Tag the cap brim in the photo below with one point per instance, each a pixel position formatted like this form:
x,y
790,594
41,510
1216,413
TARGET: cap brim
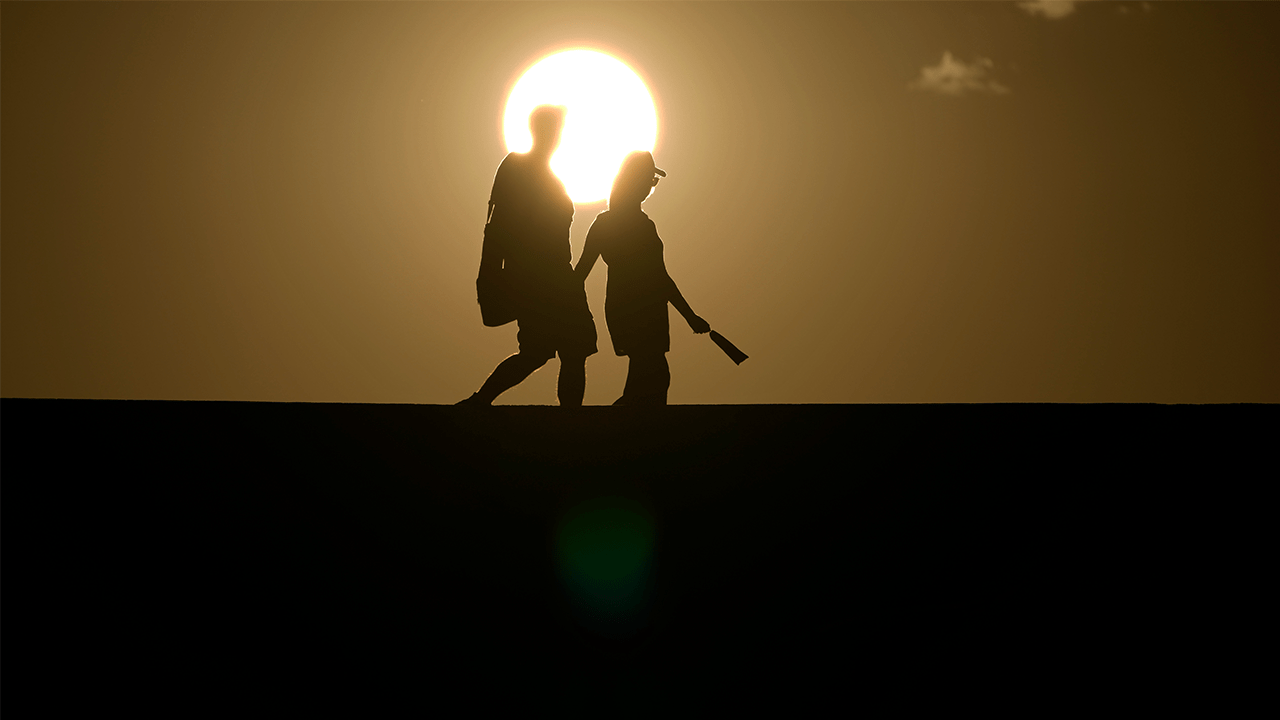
x,y
661,172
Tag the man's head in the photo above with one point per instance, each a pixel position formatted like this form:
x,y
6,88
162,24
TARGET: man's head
x,y
545,124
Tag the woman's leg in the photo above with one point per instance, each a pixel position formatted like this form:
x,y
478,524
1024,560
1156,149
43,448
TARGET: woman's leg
x,y
661,379
648,379
629,387
572,384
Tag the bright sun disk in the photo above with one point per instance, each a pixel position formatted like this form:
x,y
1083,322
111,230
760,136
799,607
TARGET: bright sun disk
x,y
610,113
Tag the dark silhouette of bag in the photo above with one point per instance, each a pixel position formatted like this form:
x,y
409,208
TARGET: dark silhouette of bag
x,y
493,288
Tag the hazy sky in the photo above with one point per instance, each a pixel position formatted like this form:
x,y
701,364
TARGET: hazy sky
x,y
878,202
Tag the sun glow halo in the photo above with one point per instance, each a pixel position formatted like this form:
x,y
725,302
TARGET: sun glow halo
x,y
610,113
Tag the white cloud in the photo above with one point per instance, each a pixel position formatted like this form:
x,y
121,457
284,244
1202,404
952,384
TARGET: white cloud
x,y
1058,9
952,77
1052,9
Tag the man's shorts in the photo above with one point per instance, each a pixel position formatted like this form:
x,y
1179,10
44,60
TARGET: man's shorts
x,y
557,323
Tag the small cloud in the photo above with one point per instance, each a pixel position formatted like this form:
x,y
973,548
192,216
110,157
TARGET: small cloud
x,y
952,77
1058,9
1051,9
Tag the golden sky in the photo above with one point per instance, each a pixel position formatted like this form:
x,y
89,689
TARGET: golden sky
x,y
878,202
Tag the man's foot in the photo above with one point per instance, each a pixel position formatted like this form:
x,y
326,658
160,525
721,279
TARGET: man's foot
x,y
473,401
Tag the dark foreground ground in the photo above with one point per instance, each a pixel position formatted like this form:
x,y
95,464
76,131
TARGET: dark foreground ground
x,y
621,559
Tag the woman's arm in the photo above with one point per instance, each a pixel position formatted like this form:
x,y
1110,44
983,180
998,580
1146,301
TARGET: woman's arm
x,y
590,253
586,262
697,324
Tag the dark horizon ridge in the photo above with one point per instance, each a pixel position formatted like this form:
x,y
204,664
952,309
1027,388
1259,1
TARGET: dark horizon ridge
x,y
216,534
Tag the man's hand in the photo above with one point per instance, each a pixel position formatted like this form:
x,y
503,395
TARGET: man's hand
x,y
698,325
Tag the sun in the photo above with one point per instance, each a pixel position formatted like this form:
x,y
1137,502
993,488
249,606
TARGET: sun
x,y
610,113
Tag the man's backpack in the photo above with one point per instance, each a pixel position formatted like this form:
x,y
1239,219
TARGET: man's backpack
x,y
493,289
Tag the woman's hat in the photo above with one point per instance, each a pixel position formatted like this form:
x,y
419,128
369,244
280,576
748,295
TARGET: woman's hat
x,y
640,161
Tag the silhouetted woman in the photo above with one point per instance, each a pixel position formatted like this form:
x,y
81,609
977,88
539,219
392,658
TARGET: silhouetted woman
x,y
639,288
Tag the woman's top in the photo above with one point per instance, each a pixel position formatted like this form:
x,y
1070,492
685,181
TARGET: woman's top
x,y
638,288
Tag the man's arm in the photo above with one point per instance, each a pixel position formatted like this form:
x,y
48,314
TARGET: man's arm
x,y
493,251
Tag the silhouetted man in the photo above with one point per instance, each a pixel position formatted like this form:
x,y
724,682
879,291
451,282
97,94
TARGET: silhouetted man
x,y
525,271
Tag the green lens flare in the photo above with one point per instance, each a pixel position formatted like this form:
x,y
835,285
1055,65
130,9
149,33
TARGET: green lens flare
x,y
605,551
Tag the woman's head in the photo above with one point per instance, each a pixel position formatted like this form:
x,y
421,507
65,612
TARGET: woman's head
x,y
636,179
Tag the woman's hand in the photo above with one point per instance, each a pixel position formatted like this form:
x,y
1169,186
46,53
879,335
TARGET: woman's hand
x,y
698,325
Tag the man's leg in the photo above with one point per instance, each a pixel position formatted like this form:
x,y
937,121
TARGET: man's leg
x,y
573,380
508,374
